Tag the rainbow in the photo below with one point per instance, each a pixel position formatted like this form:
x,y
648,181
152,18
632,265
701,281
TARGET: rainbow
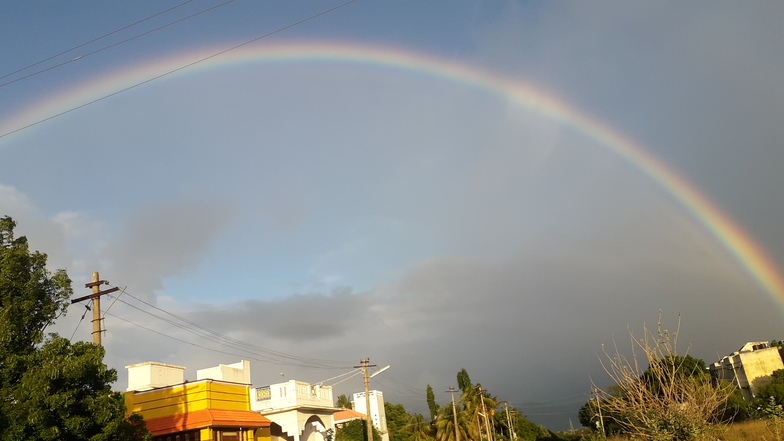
x,y
752,258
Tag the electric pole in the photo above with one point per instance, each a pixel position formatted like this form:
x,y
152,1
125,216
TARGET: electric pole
x,y
365,364
599,407
96,304
454,412
509,422
481,393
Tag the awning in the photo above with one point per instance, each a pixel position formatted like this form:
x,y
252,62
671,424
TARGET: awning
x,y
199,419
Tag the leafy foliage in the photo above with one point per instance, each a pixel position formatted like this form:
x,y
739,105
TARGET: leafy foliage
x,y
50,389
344,402
463,380
431,403
418,429
355,430
773,391
397,419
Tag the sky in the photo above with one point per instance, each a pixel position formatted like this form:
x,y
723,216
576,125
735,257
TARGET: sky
x,y
502,186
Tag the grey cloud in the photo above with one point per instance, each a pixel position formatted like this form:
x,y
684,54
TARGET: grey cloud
x,y
165,240
528,326
297,318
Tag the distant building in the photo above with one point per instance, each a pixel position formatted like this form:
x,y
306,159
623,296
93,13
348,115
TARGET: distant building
x,y
215,407
749,368
345,415
299,411
377,414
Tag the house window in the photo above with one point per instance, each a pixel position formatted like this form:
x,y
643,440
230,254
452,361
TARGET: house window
x,y
263,393
227,435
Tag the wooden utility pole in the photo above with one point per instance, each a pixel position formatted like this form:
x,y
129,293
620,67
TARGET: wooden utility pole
x,y
454,412
481,393
365,364
96,306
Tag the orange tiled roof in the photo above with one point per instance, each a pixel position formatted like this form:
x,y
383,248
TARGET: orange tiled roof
x,y
206,418
347,415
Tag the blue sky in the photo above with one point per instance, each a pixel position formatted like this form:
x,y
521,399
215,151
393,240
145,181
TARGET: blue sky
x,y
338,210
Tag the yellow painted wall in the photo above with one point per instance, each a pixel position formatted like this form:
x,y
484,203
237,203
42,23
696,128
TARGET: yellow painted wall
x,y
187,397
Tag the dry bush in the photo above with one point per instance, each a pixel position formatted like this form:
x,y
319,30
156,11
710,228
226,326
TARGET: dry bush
x,y
667,402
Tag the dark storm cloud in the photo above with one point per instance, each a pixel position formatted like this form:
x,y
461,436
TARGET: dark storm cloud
x,y
299,318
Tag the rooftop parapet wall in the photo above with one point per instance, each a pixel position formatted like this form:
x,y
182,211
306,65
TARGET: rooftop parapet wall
x,y
151,375
291,394
235,373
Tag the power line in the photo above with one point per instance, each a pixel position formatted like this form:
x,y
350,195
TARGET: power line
x,y
95,39
217,337
201,60
180,340
270,356
86,308
244,354
111,45
562,401
402,388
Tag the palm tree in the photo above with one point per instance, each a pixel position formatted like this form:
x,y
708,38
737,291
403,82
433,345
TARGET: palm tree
x,y
344,401
418,429
480,407
445,425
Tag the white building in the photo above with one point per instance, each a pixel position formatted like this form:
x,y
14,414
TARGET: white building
x,y
749,368
377,414
299,411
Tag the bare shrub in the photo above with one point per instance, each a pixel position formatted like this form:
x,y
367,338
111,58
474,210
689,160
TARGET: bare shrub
x,y
671,400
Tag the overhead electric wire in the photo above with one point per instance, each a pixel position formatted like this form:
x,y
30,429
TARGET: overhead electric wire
x,y
215,340
354,374
201,60
562,401
402,388
341,375
86,308
224,339
191,343
271,356
113,45
95,39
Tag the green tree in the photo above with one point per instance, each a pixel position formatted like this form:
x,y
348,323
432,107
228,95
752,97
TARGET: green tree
x,y
50,389
344,402
397,419
588,416
773,392
736,409
675,367
464,381
431,403
355,430
480,407
510,419
418,429
445,425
